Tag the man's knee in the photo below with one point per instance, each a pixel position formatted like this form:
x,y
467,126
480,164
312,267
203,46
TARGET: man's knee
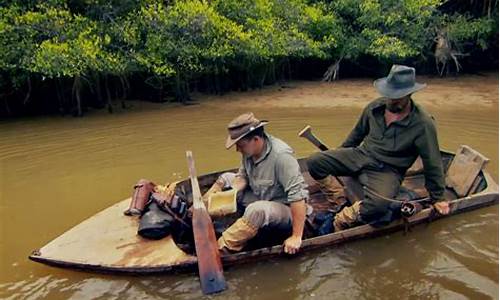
x,y
337,162
317,165
257,213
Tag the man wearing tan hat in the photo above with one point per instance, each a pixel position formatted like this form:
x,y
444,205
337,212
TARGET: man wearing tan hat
x,y
387,139
272,187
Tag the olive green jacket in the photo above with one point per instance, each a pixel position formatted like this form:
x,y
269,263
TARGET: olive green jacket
x,y
401,142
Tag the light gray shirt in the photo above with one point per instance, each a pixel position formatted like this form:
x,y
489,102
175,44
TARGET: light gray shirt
x,y
276,175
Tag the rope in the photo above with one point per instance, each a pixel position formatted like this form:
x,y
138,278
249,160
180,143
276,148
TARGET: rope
x,y
377,195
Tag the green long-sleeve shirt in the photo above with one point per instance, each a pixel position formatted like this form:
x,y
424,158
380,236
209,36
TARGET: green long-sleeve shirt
x,y
400,143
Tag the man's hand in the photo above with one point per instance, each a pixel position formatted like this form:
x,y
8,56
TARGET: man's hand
x,y
292,244
442,207
239,183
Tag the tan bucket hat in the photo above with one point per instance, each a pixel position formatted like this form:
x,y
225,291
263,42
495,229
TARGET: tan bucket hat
x,y
241,126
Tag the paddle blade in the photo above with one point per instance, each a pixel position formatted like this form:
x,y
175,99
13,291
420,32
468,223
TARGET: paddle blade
x,y
209,262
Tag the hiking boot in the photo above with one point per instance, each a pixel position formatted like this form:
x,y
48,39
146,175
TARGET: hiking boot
x,y
333,193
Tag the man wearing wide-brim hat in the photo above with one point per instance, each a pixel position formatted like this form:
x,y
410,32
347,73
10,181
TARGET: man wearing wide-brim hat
x,y
387,139
272,187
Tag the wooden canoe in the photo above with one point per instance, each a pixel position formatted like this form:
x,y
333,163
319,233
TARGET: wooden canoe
x,y
108,242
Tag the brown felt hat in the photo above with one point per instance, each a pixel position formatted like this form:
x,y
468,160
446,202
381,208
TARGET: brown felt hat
x,y
241,126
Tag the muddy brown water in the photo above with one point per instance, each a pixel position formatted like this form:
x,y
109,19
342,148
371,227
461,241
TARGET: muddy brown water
x,y
56,172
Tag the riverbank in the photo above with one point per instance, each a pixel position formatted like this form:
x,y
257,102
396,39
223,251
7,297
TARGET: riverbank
x,y
451,92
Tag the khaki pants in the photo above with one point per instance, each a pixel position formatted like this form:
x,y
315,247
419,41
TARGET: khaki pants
x,y
265,223
379,177
269,214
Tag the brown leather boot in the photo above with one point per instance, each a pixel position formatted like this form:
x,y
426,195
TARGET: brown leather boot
x,y
333,193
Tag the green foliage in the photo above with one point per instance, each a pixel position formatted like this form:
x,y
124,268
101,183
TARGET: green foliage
x,y
388,30
179,41
280,29
462,28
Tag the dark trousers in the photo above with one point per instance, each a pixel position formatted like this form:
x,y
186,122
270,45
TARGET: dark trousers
x,y
377,176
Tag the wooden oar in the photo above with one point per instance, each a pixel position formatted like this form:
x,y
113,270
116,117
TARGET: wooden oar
x,y
347,183
209,263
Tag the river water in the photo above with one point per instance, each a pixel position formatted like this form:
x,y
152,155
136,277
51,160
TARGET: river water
x,y
57,171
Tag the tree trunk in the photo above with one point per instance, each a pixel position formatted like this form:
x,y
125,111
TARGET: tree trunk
x,y
263,76
161,94
217,83
125,86
243,80
186,95
7,108
273,73
181,90
289,69
97,79
60,96
108,94
249,79
28,94
76,93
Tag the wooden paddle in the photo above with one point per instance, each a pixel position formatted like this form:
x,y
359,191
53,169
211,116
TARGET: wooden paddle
x,y
209,263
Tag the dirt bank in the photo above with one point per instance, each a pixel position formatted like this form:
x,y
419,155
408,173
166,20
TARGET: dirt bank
x,y
450,92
